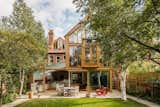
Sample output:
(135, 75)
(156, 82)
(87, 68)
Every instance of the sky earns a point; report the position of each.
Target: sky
(58, 15)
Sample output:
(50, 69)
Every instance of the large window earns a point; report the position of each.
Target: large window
(94, 55)
(55, 45)
(98, 79)
(75, 56)
(76, 37)
(87, 55)
(90, 51)
(60, 44)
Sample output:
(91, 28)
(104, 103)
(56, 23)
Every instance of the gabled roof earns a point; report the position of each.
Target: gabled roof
(77, 26)
(59, 38)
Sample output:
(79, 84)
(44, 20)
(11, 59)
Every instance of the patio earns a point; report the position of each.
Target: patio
(82, 94)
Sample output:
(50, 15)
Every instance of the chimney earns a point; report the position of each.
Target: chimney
(51, 39)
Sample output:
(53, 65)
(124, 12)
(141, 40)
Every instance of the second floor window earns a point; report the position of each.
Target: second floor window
(58, 59)
(50, 59)
(75, 56)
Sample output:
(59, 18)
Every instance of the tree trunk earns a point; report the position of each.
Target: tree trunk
(22, 74)
(123, 85)
(1, 92)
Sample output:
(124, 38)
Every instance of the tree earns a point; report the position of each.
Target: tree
(16, 53)
(22, 20)
(23, 42)
(128, 28)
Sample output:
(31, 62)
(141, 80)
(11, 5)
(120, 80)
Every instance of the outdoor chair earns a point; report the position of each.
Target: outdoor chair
(102, 92)
(60, 89)
(67, 92)
(76, 90)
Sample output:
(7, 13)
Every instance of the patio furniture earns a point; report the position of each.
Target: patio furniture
(66, 91)
(71, 91)
(40, 88)
(60, 89)
(33, 88)
(102, 92)
(76, 90)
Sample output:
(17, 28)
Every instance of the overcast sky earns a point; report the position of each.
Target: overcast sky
(59, 15)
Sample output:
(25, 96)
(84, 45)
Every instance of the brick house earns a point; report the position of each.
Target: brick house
(56, 49)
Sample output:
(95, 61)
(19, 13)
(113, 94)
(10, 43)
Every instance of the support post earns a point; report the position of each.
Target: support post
(69, 79)
(88, 84)
(98, 55)
(67, 52)
(110, 73)
(83, 78)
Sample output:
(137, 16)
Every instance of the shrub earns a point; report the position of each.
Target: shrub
(9, 97)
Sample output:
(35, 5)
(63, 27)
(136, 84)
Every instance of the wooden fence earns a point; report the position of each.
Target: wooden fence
(145, 85)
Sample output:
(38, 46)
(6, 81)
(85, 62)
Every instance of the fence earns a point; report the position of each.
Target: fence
(145, 85)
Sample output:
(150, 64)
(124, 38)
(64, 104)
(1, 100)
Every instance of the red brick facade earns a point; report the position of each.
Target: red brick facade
(56, 49)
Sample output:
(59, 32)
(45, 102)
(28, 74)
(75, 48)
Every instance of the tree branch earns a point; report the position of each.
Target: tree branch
(155, 61)
(143, 44)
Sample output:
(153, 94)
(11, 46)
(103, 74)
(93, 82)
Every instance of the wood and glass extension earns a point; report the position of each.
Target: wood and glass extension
(84, 56)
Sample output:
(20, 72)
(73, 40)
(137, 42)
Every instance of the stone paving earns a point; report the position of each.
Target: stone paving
(145, 102)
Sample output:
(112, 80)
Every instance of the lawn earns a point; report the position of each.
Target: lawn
(82, 102)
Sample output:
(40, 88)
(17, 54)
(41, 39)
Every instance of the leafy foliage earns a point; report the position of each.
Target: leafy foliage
(129, 28)
(143, 67)
(23, 45)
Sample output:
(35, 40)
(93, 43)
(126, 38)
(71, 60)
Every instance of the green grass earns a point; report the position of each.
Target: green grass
(82, 102)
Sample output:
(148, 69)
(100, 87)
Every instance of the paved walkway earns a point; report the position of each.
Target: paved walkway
(145, 102)
(17, 102)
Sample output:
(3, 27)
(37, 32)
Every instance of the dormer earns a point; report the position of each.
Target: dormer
(59, 44)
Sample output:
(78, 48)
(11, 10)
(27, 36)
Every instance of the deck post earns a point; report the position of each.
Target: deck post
(69, 78)
(83, 78)
(88, 84)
